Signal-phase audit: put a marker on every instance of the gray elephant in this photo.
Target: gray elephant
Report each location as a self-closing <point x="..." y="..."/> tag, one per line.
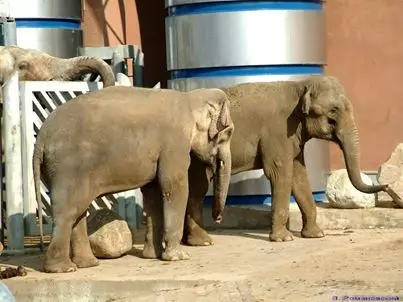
<point x="273" y="122"/>
<point x="35" y="65"/>
<point x="122" y="138"/>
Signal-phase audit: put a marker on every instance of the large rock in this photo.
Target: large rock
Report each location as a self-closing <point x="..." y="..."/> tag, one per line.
<point x="110" y="235"/>
<point x="391" y="172"/>
<point x="341" y="193"/>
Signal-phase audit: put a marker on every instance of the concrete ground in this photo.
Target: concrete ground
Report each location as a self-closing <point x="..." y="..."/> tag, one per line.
<point x="241" y="266"/>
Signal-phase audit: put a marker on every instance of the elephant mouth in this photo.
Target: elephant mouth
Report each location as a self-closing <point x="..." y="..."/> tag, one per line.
<point x="334" y="138"/>
<point x="213" y="164"/>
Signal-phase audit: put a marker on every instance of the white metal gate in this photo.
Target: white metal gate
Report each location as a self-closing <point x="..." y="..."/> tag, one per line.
<point x="37" y="101"/>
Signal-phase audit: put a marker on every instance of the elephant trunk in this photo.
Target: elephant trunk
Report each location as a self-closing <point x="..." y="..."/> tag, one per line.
<point x="221" y="182"/>
<point x="68" y="69"/>
<point x="348" y="142"/>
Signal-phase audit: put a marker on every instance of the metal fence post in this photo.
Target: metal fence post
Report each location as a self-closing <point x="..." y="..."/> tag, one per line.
<point x="8" y="36"/>
<point x="27" y="150"/>
<point x="12" y="143"/>
<point x="138" y="66"/>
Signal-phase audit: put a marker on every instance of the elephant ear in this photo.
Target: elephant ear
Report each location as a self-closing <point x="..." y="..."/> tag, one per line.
<point x="306" y="98"/>
<point x="28" y="71"/>
<point x="220" y="119"/>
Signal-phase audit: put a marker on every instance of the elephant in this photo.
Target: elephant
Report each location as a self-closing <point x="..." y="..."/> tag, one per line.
<point x="273" y="122"/>
<point x="122" y="138"/>
<point x="35" y="65"/>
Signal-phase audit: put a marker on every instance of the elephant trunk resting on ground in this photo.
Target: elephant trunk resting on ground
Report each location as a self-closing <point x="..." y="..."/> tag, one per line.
<point x="122" y="138"/>
<point x="273" y="122"/>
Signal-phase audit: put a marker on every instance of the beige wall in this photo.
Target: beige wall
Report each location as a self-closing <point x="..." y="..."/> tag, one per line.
<point x="365" y="50"/>
<point x="141" y="22"/>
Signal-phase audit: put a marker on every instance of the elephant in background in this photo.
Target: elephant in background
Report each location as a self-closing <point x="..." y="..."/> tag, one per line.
<point x="273" y="122"/>
<point x="121" y="138"/>
<point x="35" y="65"/>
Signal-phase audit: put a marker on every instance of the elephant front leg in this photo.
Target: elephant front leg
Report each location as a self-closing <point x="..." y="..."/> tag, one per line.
<point x="174" y="187"/>
<point x="303" y="196"/>
<point x="154" y="219"/>
<point x="279" y="171"/>
<point x="199" y="180"/>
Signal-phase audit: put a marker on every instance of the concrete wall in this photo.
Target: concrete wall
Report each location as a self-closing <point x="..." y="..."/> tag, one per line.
<point x="365" y="50"/>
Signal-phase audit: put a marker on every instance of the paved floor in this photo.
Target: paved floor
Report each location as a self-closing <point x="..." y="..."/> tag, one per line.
<point x="241" y="266"/>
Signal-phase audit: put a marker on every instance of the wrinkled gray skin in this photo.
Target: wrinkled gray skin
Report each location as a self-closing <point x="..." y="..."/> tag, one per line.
<point x="273" y="122"/>
<point x="122" y="138"/>
<point x="35" y="65"/>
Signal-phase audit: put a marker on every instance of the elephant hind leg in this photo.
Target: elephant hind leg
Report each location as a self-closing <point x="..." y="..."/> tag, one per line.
<point x="199" y="180"/>
<point x="82" y="254"/>
<point x="152" y="202"/>
<point x="69" y="203"/>
<point x="303" y="196"/>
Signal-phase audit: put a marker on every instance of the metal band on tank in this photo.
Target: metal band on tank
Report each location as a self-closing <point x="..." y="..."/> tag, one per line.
<point x="169" y="3"/>
<point x="186" y="80"/>
<point x="47" y="23"/>
<point x="246" y="38"/>
<point x="241" y="6"/>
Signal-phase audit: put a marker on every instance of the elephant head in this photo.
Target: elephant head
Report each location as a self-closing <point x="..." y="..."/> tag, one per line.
<point x="211" y="140"/>
<point x="328" y="114"/>
<point x="34" y="65"/>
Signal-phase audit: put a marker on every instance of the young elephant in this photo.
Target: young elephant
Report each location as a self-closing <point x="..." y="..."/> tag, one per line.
<point x="273" y="122"/>
<point x="122" y="138"/>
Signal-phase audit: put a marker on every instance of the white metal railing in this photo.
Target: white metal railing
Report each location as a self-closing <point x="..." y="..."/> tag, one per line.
<point x="26" y="106"/>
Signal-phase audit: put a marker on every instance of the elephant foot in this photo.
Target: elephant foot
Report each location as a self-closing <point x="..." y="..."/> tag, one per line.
<point x="150" y="252"/>
<point x="281" y="235"/>
<point x="174" y="255"/>
<point x="313" y="231"/>
<point x="85" y="261"/>
<point x="198" y="237"/>
<point x="64" y="266"/>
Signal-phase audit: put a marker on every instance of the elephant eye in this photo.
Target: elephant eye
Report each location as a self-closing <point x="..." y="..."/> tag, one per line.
<point x="334" y="110"/>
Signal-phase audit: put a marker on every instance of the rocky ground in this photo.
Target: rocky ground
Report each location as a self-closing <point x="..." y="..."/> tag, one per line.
<point x="241" y="266"/>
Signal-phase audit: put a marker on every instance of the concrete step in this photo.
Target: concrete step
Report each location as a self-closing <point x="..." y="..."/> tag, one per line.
<point x="259" y="217"/>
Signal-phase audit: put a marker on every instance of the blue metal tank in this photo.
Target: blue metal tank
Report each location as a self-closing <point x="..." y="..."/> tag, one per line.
<point x="222" y="43"/>
<point x="53" y="26"/>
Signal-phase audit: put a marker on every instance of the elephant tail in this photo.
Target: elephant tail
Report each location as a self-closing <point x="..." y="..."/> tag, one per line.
<point x="36" y="163"/>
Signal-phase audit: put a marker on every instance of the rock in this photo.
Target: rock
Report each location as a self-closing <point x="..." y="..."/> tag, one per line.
<point x="391" y="172"/>
<point x="123" y="80"/>
<point x="342" y="194"/>
<point x="109" y="234"/>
